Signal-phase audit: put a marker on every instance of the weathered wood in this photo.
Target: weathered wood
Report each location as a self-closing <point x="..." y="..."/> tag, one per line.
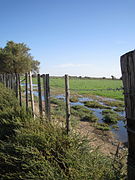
<point x="20" y="91"/>
<point x="16" y="85"/>
<point x="67" y="95"/>
<point x="44" y="90"/>
<point x="40" y="97"/>
<point x="47" y="96"/>
<point x="7" y="80"/>
<point x="26" y="91"/>
<point x="31" y="94"/>
<point x="128" y="78"/>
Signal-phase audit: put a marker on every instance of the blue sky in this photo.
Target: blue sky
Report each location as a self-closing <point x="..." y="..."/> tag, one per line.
<point x="75" y="37"/>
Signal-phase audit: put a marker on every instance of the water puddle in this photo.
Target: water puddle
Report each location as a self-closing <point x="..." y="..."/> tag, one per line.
<point x="120" y="132"/>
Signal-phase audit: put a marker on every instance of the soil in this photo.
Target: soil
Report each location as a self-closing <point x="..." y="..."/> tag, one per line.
<point x="105" y="142"/>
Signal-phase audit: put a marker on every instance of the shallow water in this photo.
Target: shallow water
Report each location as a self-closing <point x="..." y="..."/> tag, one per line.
<point x="121" y="132"/>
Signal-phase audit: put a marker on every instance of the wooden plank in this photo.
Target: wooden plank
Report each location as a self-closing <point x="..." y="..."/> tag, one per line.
<point x="67" y="95"/>
<point x="26" y="91"/>
<point x="31" y="94"/>
<point x="40" y="96"/>
<point x="128" y="78"/>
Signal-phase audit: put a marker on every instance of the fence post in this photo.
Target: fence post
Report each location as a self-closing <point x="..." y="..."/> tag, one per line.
<point x="7" y="76"/>
<point x="67" y="95"/>
<point x="31" y="94"/>
<point x="47" y="96"/>
<point x="16" y="84"/>
<point x="26" y="90"/>
<point x="44" y="90"/>
<point x="128" y="78"/>
<point x="40" y="97"/>
<point x="20" y="91"/>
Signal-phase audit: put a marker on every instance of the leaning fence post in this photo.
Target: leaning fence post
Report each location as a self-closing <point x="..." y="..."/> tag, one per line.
<point x="128" y="78"/>
<point x="31" y="93"/>
<point x="26" y="90"/>
<point x="40" y="96"/>
<point x="67" y="95"/>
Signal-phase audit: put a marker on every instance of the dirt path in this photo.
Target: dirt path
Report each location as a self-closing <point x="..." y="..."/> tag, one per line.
<point x="104" y="141"/>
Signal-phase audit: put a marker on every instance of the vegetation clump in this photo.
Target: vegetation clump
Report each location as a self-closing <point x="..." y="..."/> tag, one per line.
<point x="111" y="117"/>
<point x="102" y="126"/>
<point x="119" y="109"/>
<point x="84" y="113"/>
<point x="95" y="104"/>
<point x="74" y="99"/>
<point x="114" y="103"/>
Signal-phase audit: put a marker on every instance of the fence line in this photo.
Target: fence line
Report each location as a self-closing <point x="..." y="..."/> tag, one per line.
<point x="13" y="81"/>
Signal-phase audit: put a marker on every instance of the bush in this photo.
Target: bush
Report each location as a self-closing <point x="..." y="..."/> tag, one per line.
<point x="33" y="149"/>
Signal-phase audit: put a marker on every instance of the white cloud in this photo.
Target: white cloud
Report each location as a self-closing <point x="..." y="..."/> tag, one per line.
<point x="70" y="65"/>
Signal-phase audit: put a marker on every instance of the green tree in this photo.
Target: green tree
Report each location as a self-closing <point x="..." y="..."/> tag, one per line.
<point x="15" y="58"/>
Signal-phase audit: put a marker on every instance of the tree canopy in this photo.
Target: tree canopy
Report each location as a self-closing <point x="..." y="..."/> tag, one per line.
<point x="15" y="58"/>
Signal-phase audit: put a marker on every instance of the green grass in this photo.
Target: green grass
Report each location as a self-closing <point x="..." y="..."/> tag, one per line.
<point x="84" y="86"/>
<point x="95" y="104"/>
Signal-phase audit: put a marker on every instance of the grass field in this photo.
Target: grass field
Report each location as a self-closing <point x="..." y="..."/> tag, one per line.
<point x="101" y="87"/>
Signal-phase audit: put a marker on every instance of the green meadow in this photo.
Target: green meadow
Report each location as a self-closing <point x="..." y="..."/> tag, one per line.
<point x="87" y="87"/>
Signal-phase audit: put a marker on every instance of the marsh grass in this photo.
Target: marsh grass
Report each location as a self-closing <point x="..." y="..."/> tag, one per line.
<point x="102" y="126"/>
<point x="114" y="103"/>
<point x="119" y="109"/>
<point x="95" y="104"/>
<point x="74" y="99"/>
<point x="111" y="117"/>
<point x="83" y="113"/>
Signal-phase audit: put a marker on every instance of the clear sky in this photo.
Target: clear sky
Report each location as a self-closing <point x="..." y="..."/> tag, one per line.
<point x="78" y="37"/>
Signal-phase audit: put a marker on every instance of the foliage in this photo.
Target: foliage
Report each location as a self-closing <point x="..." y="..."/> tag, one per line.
<point x="15" y="58"/>
<point x="35" y="149"/>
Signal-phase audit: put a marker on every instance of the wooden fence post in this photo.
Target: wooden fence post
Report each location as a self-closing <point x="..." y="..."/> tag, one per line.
<point x="7" y="76"/>
<point x="16" y="84"/>
<point x="44" y="90"/>
<point x="47" y="96"/>
<point x="128" y="78"/>
<point x="40" y="97"/>
<point x="31" y="94"/>
<point x="67" y="95"/>
<point x="26" y="90"/>
<point x="20" y="91"/>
